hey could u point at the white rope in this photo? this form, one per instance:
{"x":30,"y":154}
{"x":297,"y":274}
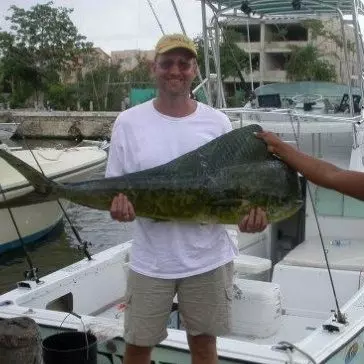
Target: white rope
{"x":39,"y":152}
{"x":289,"y":347}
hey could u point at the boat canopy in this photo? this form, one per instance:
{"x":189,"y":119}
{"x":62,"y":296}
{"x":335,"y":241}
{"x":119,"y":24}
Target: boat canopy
{"x":299,"y":7}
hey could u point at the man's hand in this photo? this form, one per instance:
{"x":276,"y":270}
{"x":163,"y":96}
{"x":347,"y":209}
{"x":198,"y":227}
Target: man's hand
{"x":255,"y":222}
{"x":121,"y":209}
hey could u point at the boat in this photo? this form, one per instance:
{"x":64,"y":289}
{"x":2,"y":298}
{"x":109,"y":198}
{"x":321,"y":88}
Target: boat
{"x":285,"y":310}
{"x":7,"y":130}
{"x":63,"y":165}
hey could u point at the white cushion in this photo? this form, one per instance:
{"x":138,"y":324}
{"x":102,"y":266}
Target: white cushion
{"x":249,"y":264}
{"x":345,"y":254}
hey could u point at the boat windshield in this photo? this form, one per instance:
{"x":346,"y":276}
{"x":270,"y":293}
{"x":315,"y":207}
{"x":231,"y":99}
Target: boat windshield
{"x":332,"y":203}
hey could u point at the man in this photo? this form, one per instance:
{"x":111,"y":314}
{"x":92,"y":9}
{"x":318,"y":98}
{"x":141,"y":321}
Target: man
{"x":191,"y":260}
{"x":318,"y":171}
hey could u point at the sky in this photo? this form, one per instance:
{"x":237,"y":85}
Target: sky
{"x":122,"y":24}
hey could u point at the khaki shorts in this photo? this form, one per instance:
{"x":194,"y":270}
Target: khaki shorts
{"x":204,"y":302}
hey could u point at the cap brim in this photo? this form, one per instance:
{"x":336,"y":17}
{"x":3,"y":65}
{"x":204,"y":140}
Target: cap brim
{"x":174,"y":46}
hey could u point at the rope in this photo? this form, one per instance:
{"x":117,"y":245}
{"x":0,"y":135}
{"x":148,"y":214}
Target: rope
{"x":289,"y":347}
{"x":39,"y":152}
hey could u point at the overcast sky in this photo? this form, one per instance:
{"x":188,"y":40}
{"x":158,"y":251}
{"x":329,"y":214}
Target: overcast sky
{"x":122,"y":24}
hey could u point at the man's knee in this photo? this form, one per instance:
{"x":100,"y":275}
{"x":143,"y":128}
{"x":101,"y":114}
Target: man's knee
{"x":137,"y":354}
{"x":202,"y":346}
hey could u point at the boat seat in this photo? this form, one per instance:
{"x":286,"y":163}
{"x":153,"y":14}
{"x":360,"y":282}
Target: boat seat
{"x":343,"y":254}
{"x":250,"y":265}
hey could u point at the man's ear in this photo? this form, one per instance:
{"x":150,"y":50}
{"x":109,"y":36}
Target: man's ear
{"x":152,"y":67}
{"x":195,"y":67}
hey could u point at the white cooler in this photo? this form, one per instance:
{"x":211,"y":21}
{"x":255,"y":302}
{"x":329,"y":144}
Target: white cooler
{"x":256,"y":308}
{"x":252,"y":267}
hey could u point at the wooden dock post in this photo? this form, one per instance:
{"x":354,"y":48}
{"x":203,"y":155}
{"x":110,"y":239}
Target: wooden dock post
{"x":20,"y":341}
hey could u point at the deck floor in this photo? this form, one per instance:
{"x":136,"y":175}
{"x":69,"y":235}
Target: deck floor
{"x":293,"y":328}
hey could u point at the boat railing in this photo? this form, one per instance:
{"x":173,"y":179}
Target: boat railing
{"x":276,"y":116}
{"x":291,"y":121}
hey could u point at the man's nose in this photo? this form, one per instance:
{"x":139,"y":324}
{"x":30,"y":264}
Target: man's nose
{"x":175,"y":69}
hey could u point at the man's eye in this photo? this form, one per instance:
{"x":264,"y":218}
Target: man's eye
{"x":184,"y":65}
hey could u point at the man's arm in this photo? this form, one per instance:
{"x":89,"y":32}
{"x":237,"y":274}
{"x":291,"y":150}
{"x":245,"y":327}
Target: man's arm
{"x":121,"y":208}
{"x":318,"y":171}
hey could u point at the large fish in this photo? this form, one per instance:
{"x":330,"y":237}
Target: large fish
{"x":216,"y":183}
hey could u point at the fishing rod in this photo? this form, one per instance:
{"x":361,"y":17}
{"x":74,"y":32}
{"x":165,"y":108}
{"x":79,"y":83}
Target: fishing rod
{"x":30,"y":274}
{"x":82,"y":244}
{"x":339,"y":316}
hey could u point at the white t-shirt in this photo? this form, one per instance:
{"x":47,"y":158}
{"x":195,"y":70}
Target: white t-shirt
{"x":144,"y":138}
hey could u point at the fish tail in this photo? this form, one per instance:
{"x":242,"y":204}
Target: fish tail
{"x":44,"y":187}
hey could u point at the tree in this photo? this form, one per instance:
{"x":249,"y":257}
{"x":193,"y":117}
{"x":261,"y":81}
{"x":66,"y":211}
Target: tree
{"x":305,"y":64}
{"x":140,"y":76}
{"x":233,"y":60}
{"x":330,"y":31}
{"x":98,"y":86}
{"x":42,"y":43}
{"x":62,"y":96}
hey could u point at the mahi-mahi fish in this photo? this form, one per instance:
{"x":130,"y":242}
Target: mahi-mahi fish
{"x":218,"y":182}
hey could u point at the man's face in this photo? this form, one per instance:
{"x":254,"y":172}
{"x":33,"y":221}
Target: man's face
{"x":174,"y":72}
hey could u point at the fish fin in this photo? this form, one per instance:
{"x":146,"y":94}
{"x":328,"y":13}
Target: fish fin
{"x":43,"y":186}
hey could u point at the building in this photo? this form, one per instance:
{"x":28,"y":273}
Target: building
{"x":128,"y":59}
{"x":85,"y":63}
{"x":269,"y":43}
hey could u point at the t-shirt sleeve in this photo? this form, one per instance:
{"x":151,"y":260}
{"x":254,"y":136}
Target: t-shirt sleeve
{"x":227,"y":123}
{"x":115,"y":160}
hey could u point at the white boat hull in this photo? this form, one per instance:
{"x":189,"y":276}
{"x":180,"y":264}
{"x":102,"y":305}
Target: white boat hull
{"x":7,"y":130}
{"x":35,"y":221}
{"x":32,"y":223}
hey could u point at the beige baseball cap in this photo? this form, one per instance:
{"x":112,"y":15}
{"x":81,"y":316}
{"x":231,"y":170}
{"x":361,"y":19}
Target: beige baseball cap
{"x":173,"y":41}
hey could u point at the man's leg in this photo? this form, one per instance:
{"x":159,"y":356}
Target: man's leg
{"x":137,"y":354}
{"x":205,"y":305}
{"x":148,"y":306}
{"x":203,"y":349}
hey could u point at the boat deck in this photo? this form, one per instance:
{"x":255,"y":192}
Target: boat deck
{"x":112,"y":311}
{"x":293,"y":328}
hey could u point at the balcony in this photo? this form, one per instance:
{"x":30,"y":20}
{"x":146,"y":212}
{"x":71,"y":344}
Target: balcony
{"x":282,"y":46}
{"x":253,"y":47}
{"x":274,"y":76}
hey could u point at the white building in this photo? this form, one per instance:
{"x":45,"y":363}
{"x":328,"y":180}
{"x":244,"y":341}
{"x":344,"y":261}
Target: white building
{"x":271,"y":42}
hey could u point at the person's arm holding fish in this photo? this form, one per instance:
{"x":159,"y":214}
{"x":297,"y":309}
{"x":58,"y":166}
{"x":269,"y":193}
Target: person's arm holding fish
{"x":316,"y":170}
{"x":121,"y":208}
